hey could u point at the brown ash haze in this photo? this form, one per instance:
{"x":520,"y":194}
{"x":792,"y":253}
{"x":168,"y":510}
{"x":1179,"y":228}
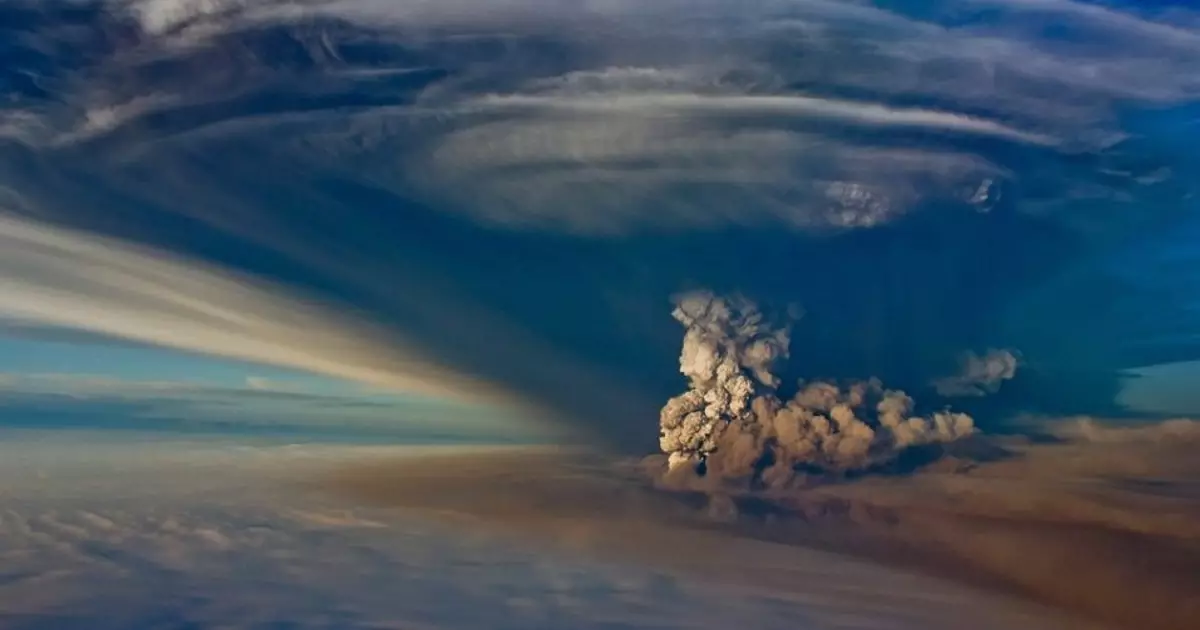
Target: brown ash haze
{"x":823,"y":313}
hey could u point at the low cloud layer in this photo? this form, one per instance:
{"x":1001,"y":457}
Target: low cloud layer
{"x":1122,"y":511}
{"x":220,"y":534}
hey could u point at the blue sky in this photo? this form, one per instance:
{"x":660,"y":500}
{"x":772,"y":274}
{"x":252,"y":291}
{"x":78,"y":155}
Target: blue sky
{"x":492,"y":208}
{"x":24,"y":355}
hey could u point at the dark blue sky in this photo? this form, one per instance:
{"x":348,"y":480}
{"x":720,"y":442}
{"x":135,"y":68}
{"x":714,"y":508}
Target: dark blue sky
{"x":496,"y":202}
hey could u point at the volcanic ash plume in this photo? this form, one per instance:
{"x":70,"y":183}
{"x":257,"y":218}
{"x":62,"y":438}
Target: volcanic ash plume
{"x":732,"y":424}
{"x":728,"y":352}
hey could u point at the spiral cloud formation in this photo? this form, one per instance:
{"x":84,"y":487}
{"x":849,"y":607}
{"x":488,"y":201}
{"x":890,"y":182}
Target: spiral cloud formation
{"x":732,"y":424}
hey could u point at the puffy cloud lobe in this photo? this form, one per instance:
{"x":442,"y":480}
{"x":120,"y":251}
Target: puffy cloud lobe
{"x":980,"y":375}
{"x":728,"y":350}
{"x":726,"y":335}
{"x":733,"y":425}
{"x":826,"y":428}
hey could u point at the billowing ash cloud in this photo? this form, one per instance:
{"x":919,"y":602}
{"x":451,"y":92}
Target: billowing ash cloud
{"x":732,"y":424}
{"x":980,"y":375}
{"x":728,"y":351}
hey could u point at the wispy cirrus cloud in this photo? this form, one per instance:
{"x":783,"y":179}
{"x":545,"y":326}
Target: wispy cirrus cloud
{"x":681,"y":104}
{"x":600,"y":151}
{"x":778,"y":111}
{"x":771,"y":113}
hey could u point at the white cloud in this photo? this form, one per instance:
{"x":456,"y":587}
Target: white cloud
{"x":596,"y":153}
{"x":26,"y":127}
{"x":100,"y":119}
{"x":670,"y":105}
{"x":160,"y":16}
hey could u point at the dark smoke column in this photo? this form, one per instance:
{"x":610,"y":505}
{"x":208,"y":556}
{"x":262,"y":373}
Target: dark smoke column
{"x":731,"y":423}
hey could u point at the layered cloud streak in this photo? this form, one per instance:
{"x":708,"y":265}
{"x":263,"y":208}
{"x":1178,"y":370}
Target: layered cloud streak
{"x":812,"y":114}
{"x":59,"y":278}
